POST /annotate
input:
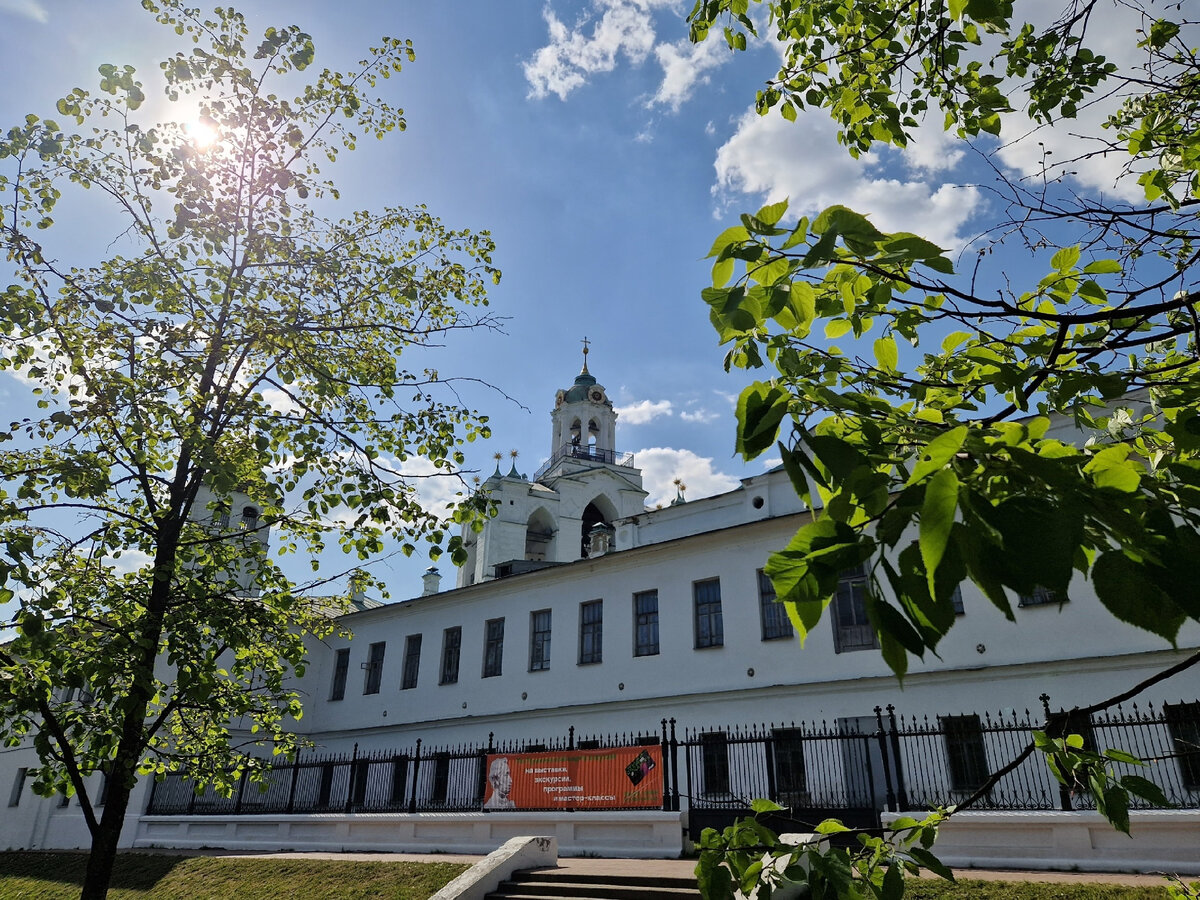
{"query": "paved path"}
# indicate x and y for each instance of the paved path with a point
(684, 867)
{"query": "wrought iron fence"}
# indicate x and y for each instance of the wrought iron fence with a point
(420, 779)
(851, 768)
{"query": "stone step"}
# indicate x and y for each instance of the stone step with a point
(568, 886)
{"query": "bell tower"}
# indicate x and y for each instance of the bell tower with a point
(584, 421)
(566, 510)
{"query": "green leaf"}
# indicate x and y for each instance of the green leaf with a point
(927, 860)
(734, 235)
(937, 519)
(938, 452)
(886, 353)
(830, 826)
(772, 213)
(835, 328)
(761, 805)
(1065, 259)
(1129, 591)
(760, 410)
(1147, 790)
(1103, 267)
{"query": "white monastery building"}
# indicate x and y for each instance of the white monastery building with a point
(581, 612)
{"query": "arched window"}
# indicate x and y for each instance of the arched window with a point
(250, 518)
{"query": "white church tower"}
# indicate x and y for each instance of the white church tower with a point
(566, 510)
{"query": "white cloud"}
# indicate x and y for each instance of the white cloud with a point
(624, 28)
(662, 465)
(772, 158)
(701, 416)
(770, 462)
(684, 65)
(28, 9)
(130, 560)
(643, 411)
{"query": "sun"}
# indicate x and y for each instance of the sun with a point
(203, 132)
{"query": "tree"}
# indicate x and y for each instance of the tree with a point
(241, 358)
(926, 440)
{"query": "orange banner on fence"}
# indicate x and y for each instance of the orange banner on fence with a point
(619, 777)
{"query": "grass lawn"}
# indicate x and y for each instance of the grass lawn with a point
(931, 889)
(144, 876)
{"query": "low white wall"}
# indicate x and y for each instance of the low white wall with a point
(498, 866)
(649, 835)
(1159, 841)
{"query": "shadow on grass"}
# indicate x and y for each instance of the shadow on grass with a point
(134, 871)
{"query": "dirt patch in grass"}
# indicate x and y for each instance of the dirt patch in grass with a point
(142, 876)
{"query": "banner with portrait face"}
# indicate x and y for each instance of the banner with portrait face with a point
(613, 778)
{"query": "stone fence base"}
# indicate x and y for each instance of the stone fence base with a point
(1159, 841)
(649, 835)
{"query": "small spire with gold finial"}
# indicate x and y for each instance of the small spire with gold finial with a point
(680, 487)
(497, 456)
(584, 370)
(512, 472)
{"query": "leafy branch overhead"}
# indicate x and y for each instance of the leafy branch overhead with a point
(255, 358)
(930, 420)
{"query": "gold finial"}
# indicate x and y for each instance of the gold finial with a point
(585, 353)
(514, 453)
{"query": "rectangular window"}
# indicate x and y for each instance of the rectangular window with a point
(1183, 724)
(1042, 597)
(710, 630)
(399, 779)
(441, 778)
(325, 789)
(14, 799)
(966, 757)
(851, 628)
(791, 780)
(714, 762)
(645, 623)
(412, 662)
(451, 647)
(591, 632)
(539, 640)
(374, 667)
(775, 623)
(340, 669)
(358, 782)
(493, 648)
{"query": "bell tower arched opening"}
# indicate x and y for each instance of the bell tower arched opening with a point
(599, 511)
(539, 536)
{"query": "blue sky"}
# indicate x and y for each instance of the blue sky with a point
(604, 154)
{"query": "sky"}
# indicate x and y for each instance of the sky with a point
(604, 153)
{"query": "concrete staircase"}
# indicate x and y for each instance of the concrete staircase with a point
(541, 884)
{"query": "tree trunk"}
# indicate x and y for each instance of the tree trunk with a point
(103, 853)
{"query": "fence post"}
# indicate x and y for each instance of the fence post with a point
(150, 802)
(1064, 792)
(666, 773)
(291, 807)
(769, 753)
(351, 779)
(880, 735)
(412, 803)
(901, 791)
(237, 804)
(674, 770)
(571, 738)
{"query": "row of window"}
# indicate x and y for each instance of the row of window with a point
(852, 630)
